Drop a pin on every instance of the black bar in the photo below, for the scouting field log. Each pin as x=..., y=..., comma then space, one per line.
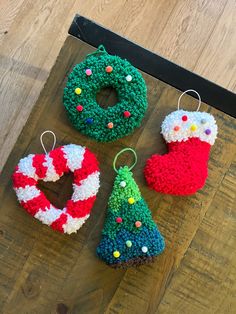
x=155, y=65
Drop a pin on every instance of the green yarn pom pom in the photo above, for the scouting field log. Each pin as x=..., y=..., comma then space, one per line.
x=97, y=71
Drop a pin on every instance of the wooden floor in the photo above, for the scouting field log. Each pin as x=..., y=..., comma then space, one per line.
x=197, y=273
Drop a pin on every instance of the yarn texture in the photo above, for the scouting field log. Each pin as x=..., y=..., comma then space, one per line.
x=129, y=237
x=184, y=169
x=97, y=71
x=50, y=167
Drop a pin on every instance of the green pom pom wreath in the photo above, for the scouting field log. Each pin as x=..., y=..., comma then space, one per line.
x=97, y=71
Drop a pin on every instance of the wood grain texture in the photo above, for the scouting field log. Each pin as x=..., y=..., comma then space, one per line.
x=220, y=47
x=205, y=281
x=42, y=271
x=8, y=12
x=194, y=33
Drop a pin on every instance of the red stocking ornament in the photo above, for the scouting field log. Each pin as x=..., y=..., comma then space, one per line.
x=184, y=169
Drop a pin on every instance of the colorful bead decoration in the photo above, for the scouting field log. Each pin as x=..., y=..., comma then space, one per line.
x=134, y=244
x=89, y=120
x=97, y=71
x=127, y=114
x=49, y=168
x=80, y=108
x=138, y=224
x=208, y=132
x=128, y=78
x=116, y=254
x=110, y=125
x=128, y=243
x=119, y=220
x=109, y=69
x=78, y=91
x=88, y=72
x=131, y=200
x=144, y=249
x=123, y=184
x=193, y=127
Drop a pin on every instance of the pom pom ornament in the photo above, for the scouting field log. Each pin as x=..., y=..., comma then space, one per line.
x=130, y=237
x=100, y=70
x=50, y=167
x=189, y=136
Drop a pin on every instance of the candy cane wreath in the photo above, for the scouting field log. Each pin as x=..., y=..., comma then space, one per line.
x=50, y=167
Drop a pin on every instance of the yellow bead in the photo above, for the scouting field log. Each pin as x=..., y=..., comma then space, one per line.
x=193, y=127
x=78, y=91
x=116, y=254
x=131, y=200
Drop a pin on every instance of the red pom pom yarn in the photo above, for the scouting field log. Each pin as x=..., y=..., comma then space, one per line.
x=182, y=171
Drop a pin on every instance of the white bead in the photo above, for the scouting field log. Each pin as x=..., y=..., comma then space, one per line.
x=123, y=184
x=128, y=78
x=144, y=249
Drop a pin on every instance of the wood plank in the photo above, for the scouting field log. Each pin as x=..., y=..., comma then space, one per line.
x=179, y=216
x=67, y=275
x=36, y=31
x=8, y=12
x=188, y=30
x=144, y=21
x=205, y=281
x=28, y=53
x=221, y=46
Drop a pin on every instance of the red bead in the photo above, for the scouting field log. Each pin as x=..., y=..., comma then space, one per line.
x=109, y=69
x=80, y=108
x=119, y=220
x=184, y=118
x=127, y=114
x=176, y=128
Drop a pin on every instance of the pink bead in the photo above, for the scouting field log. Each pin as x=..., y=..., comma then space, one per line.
x=80, y=108
x=88, y=72
x=119, y=220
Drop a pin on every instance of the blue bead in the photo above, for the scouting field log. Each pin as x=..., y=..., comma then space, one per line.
x=89, y=120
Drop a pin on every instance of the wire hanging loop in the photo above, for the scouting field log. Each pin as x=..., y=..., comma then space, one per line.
x=121, y=152
x=54, y=140
x=101, y=49
x=194, y=91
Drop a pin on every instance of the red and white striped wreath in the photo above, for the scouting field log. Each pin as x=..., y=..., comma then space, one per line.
x=50, y=167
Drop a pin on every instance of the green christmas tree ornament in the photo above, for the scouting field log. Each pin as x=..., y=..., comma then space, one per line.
x=130, y=237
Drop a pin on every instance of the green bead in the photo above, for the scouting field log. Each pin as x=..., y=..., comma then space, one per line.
x=128, y=243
